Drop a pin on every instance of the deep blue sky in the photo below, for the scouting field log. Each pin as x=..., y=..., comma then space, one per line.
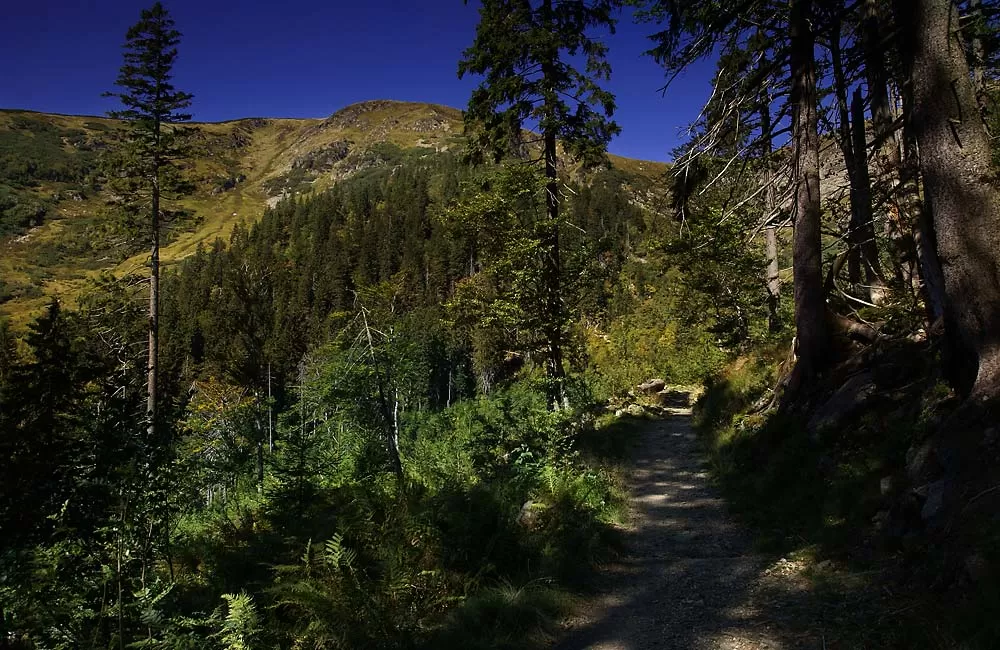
x=306, y=59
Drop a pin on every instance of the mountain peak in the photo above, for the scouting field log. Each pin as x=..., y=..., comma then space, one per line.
x=390, y=114
x=372, y=105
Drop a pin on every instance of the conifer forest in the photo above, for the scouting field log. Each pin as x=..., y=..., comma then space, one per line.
x=413, y=376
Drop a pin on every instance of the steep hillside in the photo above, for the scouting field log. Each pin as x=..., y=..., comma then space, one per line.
x=54, y=225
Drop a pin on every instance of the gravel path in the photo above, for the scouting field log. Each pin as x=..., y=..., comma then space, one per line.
x=689, y=577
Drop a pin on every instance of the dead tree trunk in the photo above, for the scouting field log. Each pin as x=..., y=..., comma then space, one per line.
x=773, y=279
x=863, y=269
x=846, y=143
x=152, y=367
x=864, y=224
x=897, y=199
x=771, y=228
x=389, y=414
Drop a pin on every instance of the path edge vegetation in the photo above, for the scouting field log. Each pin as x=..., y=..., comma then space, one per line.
x=825, y=485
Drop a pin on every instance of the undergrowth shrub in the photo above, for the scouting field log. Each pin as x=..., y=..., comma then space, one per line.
x=799, y=485
x=833, y=492
x=497, y=618
x=498, y=512
x=790, y=484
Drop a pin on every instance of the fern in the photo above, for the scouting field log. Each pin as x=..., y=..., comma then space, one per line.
x=307, y=557
x=241, y=624
x=338, y=555
x=151, y=614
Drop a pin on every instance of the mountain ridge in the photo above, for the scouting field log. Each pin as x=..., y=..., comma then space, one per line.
x=15, y=109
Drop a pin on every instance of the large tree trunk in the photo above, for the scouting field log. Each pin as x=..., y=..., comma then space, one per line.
x=908, y=225
x=812, y=334
x=551, y=263
x=960, y=186
x=932, y=286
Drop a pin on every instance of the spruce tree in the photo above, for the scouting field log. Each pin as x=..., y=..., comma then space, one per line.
x=526, y=53
x=151, y=147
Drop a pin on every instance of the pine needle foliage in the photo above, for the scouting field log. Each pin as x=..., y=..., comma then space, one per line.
x=525, y=52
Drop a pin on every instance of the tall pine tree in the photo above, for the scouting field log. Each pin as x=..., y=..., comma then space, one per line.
x=526, y=51
x=151, y=148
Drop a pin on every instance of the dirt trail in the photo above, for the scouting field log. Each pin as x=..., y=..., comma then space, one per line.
x=689, y=577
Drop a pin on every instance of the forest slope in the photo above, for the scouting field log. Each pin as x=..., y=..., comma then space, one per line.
x=55, y=219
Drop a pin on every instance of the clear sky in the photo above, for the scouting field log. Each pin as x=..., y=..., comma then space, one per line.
x=288, y=58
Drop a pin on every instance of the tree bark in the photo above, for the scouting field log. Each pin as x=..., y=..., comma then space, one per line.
x=812, y=334
x=864, y=271
x=152, y=366
x=960, y=186
x=908, y=225
x=771, y=229
x=773, y=279
x=864, y=224
x=932, y=285
x=552, y=264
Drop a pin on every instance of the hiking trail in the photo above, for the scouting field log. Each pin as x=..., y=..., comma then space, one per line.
x=688, y=577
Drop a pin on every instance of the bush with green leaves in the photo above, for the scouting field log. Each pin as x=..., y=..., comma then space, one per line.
x=495, y=495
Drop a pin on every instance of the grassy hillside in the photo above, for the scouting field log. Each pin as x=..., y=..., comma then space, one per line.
x=54, y=234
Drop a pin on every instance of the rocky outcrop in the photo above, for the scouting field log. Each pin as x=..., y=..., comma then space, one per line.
x=228, y=184
x=323, y=159
x=849, y=400
x=429, y=124
x=651, y=386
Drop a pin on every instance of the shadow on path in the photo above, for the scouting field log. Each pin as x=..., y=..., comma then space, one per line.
x=688, y=576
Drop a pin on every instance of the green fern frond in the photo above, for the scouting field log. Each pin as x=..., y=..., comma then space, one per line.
x=241, y=624
x=307, y=556
x=338, y=555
